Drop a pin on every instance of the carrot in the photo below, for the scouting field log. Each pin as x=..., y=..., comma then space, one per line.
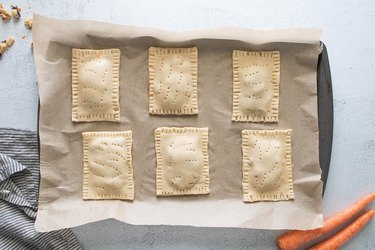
x=346, y=234
x=297, y=238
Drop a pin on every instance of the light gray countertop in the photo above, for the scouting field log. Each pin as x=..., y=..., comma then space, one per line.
x=349, y=35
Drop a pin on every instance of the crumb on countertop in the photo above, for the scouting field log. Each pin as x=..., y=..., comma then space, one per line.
x=6, y=44
x=5, y=15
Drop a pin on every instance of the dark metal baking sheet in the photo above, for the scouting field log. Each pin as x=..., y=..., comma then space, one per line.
x=325, y=114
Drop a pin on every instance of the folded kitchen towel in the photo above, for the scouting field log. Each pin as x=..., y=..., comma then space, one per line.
x=19, y=186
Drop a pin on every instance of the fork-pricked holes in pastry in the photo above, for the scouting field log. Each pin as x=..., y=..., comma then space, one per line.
x=108, y=171
x=256, y=78
x=173, y=81
x=182, y=161
x=95, y=85
x=267, y=167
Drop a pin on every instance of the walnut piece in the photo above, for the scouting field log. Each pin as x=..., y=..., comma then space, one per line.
x=16, y=12
x=29, y=23
x=6, y=44
x=5, y=15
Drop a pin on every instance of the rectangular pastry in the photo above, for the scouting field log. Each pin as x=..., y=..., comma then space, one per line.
x=182, y=161
x=95, y=85
x=107, y=166
x=267, y=165
x=173, y=81
x=256, y=78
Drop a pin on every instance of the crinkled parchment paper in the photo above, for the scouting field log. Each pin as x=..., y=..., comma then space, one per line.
x=60, y=201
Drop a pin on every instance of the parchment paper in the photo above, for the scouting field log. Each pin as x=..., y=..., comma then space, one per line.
x=60, y=200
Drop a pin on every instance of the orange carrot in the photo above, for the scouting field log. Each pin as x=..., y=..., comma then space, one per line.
x=346, y=234
x=297, y=238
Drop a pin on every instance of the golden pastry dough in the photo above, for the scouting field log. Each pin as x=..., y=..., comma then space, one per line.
x=267, y=165
x=95, y=85
x=107, y=161
x=173, y=81
x=182, y=161
x=256, y=77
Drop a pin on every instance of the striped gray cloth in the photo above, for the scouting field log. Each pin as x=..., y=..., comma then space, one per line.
x=19, y=186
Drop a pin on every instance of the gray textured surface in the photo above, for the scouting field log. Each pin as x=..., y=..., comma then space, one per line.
x=349, y=36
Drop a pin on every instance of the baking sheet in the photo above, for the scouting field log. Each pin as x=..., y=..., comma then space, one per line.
x=325, y=114
x=60, y=200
